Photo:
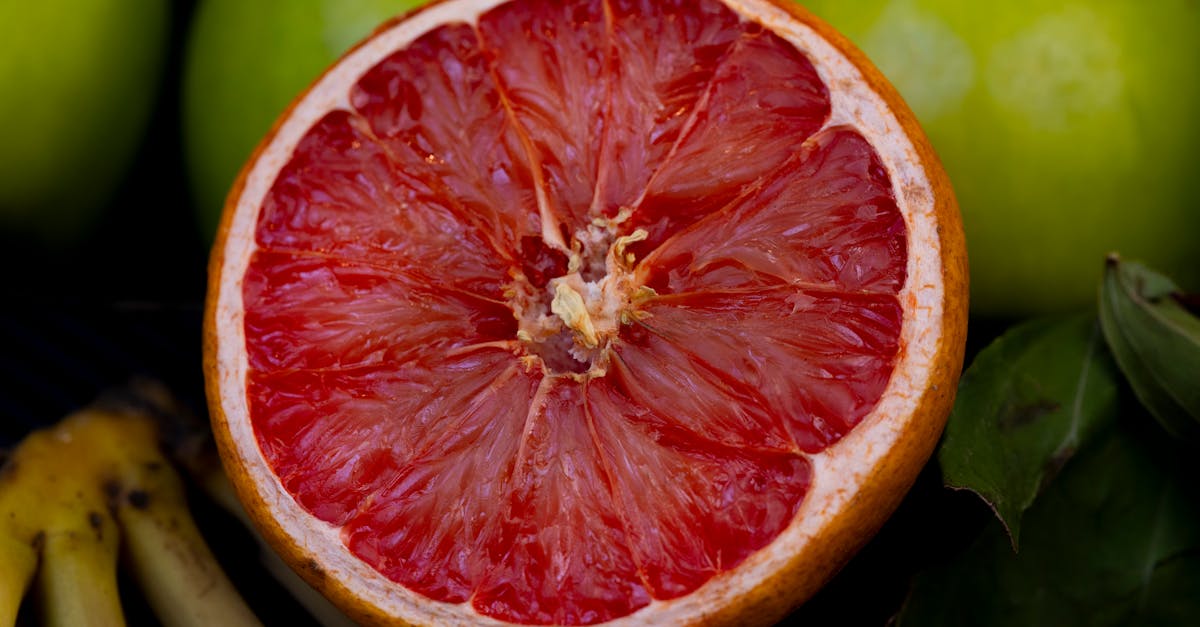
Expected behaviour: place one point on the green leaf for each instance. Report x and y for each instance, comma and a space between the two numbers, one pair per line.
1026, 404
1156, 342
1115, 540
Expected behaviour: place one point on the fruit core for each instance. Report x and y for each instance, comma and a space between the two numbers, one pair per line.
568, 322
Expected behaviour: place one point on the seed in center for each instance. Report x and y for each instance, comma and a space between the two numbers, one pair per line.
569, 306
570, 321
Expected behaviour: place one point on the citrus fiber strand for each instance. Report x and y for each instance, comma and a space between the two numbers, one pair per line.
461, 150
408, 273
439, 189
595, 207
555, 85
416, 455
686, 129
504, 345
551, 230
661, 80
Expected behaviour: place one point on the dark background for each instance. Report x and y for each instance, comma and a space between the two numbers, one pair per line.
127, 301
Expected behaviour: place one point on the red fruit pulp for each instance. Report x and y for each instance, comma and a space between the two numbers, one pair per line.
550, 320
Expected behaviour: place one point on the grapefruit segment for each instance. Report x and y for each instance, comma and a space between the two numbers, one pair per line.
333, 437
827, 218
763, 99
668, 485
551, 69
839, 350
561, 556
451, 491
691, 396
436, 109
327, 200
570, 312
662, 57
313, 311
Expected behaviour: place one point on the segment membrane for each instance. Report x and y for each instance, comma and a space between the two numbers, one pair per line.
552, 67
315, 312
429, 524
691, 509
336, 437
561, 556
343, 196
436, 109
828, 218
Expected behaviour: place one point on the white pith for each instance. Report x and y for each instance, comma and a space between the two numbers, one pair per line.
838, 472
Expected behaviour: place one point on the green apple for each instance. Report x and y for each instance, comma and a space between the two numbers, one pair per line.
1069, 130
78, 80
246, 61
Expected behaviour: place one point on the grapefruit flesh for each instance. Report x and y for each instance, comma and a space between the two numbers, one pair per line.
552, 312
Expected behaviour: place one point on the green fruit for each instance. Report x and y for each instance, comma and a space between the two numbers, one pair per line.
246, 60
78, 79
1069, 130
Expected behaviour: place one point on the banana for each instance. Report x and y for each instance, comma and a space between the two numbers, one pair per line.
77, 583
200, 460
47, 504
18, 562
94, 489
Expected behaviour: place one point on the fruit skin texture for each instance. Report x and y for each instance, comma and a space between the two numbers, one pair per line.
1068, 129
245, 62
804, 572
79, 80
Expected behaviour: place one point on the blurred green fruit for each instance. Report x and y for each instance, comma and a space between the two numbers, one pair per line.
78, 80
1069, 130
246, 61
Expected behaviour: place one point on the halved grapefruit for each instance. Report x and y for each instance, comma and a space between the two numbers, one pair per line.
569, 312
